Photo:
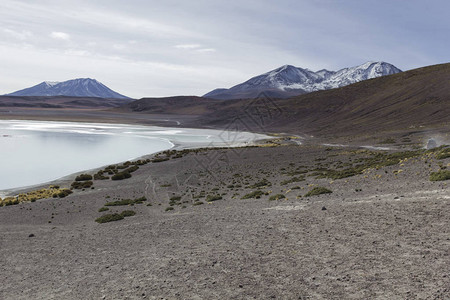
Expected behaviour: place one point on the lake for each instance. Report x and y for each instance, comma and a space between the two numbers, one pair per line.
34, 152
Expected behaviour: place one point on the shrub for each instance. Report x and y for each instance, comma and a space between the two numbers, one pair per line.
159, 159
81, 184
277, 197
443, 154
102, 209
318, 190
121, 176
126, 202
169, 208
99, 176
440, 175
83, 177
109, 218
197, 203
212, 198
261, 183
64, 193
175, 198
127, 213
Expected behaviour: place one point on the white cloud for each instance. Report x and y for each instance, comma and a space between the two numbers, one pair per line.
188, 46
205, 50
20, 35
195, 47
60, 35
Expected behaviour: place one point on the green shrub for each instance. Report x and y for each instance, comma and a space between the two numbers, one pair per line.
99, 176
169, 208
64, 193
261, 183
121, 176
440, 175
175, 198
127, 213
198, 203
277, 197
211, 198
81, 184
109, 218
102, 209
126, 202
318, 190
83, 177
159, 159
443, 154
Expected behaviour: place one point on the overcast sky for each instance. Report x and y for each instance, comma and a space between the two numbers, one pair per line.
146, 48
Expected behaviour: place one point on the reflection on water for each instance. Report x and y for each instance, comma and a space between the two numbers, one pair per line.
33, 152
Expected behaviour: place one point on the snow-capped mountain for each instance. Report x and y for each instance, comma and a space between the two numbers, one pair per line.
289, 81
81, 87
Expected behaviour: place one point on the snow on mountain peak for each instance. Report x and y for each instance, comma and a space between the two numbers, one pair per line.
80, 87
289, 79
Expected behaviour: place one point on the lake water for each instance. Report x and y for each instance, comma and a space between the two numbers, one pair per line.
34, 152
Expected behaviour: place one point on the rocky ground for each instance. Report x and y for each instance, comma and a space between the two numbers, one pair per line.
382, 233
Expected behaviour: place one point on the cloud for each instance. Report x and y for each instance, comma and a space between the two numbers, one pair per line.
195, 47
20, 35
188, 46
206, 50
60, 35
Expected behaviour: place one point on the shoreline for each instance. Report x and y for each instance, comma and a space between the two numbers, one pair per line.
176, 145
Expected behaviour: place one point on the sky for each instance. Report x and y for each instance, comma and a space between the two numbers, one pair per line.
146, 48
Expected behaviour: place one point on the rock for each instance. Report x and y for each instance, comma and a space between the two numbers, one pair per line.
431, 144
324, 208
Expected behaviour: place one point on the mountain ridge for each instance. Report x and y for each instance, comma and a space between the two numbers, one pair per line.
79, 87
287, 81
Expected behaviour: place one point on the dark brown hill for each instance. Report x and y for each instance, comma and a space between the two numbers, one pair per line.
411, 99
182, 105
57, 102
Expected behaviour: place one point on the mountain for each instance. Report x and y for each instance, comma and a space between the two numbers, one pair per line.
81, 87
288, 81
408, 101
405, 101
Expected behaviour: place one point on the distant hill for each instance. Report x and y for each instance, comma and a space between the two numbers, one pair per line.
410, 99
81, 87
288, 81
57, 102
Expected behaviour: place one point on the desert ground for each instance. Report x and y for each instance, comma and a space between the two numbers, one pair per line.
237, 223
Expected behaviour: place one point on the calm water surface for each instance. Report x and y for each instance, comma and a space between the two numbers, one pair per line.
33, 152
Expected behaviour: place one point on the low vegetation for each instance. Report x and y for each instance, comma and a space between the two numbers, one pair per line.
318, 190
277, 197
115, 217
440, 175
126, 202
52, 191
83, 177
211, 198
78, 185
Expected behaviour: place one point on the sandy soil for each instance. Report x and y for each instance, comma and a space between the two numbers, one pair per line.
383, 234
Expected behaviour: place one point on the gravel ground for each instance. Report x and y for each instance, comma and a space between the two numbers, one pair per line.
383, 234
